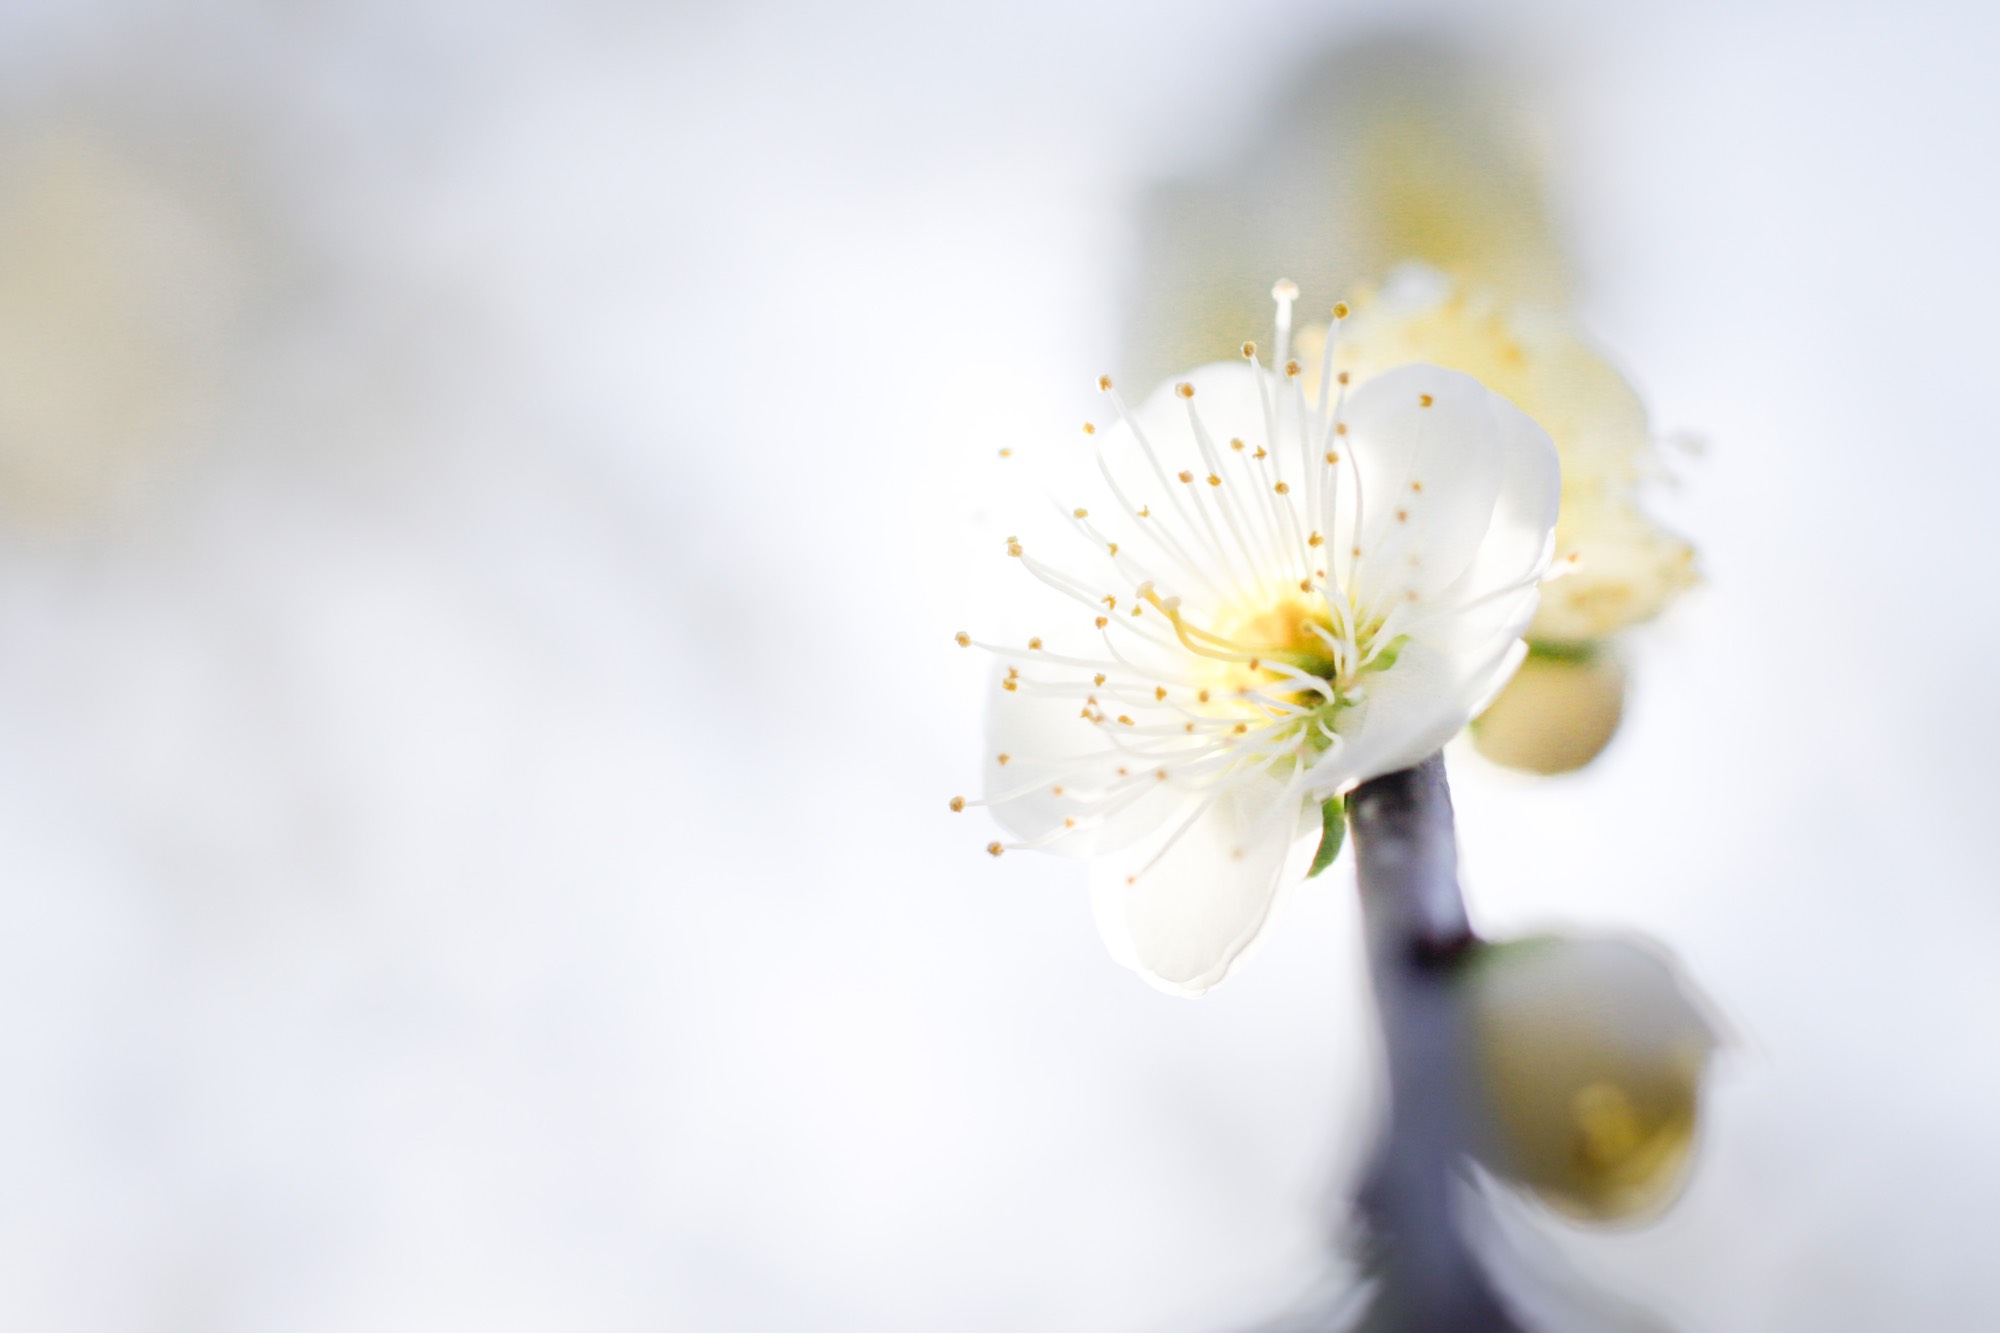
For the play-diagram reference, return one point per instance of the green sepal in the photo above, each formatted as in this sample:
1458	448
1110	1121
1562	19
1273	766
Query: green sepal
1332	833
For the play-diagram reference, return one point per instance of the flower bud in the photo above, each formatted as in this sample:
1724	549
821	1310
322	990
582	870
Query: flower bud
1590	1054
1557	714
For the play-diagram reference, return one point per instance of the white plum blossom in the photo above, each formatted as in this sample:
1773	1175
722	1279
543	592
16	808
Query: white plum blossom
1267	601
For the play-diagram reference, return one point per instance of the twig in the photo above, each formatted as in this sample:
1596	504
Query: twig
1428	1279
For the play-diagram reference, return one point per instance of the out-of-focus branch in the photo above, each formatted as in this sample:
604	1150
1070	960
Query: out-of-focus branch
1428	1280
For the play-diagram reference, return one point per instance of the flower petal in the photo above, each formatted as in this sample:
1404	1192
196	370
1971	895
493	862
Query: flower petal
1185	916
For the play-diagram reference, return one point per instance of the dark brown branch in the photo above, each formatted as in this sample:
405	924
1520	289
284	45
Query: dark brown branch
1407	865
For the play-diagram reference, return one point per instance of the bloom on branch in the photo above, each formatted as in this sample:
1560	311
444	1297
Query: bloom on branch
1620	566
1269	599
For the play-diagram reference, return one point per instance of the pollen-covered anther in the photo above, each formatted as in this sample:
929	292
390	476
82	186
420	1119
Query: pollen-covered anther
1305	585
1203	696
994	849
1104	384
1090	428
1035	643
957	804
1184	389
1214	480
1056	790
1013	546
1237	445
1249	351
1187	476
1342	378
1010	685
1283	488
1402	516
1079	513
1262	452
1102	621
1424	400
1159	694
1099	679
1332	457
1340	427
1002	759
1340	310
1110	601
1124	720
1291	370
1006	453
1417	486
962	639
1315	540
1112	547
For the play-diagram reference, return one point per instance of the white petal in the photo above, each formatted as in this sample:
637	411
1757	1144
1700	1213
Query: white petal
1049	746
1430	476
1187	918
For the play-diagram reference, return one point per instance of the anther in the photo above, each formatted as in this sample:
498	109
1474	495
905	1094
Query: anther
1342	378
1079	513
1249	351
1203	696
1262	452
1305	585
1424	400
1291	369
994	849
1417	486
1340	427
957	804
1282	488
1159	694
1002	759
1340	310
1090	428
962	639
1237	445
1187	476
1006	453
1214	480
1125	721
1332	457
1284	289
1098	679
1110	601
1035	643
1112	547
1402	516
1104	384
1102	621
1013	546
1184	389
